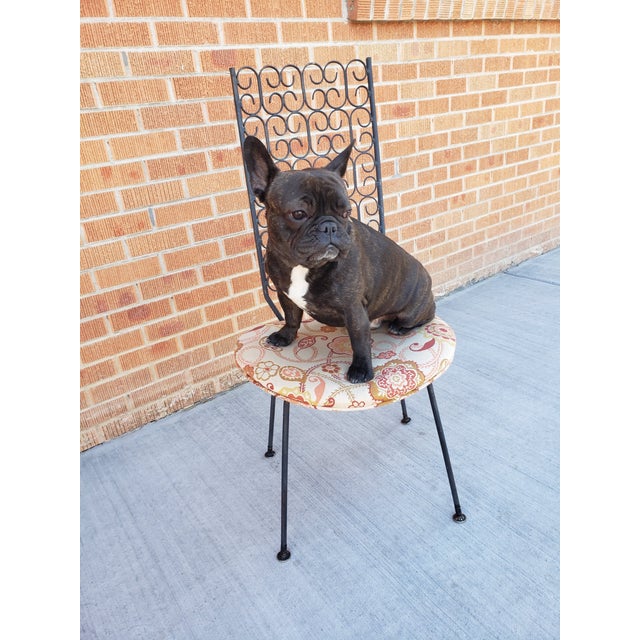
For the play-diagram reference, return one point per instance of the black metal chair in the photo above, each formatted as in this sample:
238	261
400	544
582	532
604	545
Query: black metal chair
306	116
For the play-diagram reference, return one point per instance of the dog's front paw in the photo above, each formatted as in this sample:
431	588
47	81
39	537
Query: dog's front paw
281	338
359	372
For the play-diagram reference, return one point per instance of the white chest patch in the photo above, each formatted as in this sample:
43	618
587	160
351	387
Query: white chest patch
299	286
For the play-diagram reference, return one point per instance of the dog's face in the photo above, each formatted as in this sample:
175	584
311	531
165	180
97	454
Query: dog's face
308	211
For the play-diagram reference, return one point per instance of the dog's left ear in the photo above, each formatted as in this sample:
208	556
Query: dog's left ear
339	163
260	166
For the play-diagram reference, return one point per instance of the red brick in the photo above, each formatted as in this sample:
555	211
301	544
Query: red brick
175	325
109	227
222	269
223	59
250	32
140	314
182	362
109	176
180	165
108	301
209	136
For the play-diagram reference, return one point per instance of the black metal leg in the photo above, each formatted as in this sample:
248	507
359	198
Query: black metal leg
405	416
270	452
458	516
284	553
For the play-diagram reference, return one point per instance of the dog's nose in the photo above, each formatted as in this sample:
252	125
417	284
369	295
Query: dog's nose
328	227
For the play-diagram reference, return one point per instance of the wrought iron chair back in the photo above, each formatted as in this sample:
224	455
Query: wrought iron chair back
306	116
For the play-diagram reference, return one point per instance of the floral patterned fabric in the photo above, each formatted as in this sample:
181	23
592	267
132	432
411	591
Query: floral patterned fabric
312	370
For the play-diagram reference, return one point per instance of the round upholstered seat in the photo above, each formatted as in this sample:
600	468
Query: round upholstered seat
311	371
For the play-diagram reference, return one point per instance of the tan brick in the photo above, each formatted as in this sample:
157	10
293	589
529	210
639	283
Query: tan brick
250	32
111	346
182	362
97	372
160	63
104	123
127	92
114	34
201	87
222	269
93	9
200	254
86	284
93	152
92	329
305	31
122	385
152	194
215	9
209	136
169	284
149	355
179	165
183	212
100	255
207	334
151	243
101	64
186	33
171	116
128	273
147	144
201	296
154	8
87	101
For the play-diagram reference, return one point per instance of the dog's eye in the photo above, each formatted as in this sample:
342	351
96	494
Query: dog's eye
298	214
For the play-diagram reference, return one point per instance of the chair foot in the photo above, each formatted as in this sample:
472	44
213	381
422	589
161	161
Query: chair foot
458	516
283	554
405	416
269	453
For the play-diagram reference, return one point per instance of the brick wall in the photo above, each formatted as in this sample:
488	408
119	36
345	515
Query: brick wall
468	116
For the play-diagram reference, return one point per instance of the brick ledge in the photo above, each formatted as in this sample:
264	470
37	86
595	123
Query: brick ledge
405	10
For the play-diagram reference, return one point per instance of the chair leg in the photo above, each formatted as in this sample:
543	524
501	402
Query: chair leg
458	516
284	553
405	416
272	414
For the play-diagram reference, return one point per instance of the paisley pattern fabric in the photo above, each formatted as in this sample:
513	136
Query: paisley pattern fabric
311	371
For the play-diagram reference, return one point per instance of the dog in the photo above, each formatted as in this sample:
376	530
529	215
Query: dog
323	261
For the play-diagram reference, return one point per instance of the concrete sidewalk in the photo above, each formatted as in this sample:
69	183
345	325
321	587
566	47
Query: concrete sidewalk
180	519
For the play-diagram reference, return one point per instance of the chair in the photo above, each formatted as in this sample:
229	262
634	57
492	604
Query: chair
304	115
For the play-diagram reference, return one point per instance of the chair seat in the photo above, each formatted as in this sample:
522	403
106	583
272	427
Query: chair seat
311	371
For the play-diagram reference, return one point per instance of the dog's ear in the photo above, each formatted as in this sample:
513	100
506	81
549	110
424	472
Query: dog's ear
339	163
260	166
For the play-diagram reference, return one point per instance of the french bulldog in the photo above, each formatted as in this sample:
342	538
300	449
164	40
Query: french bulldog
321	260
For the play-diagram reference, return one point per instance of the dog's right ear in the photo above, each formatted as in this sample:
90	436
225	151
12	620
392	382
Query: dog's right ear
260	166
